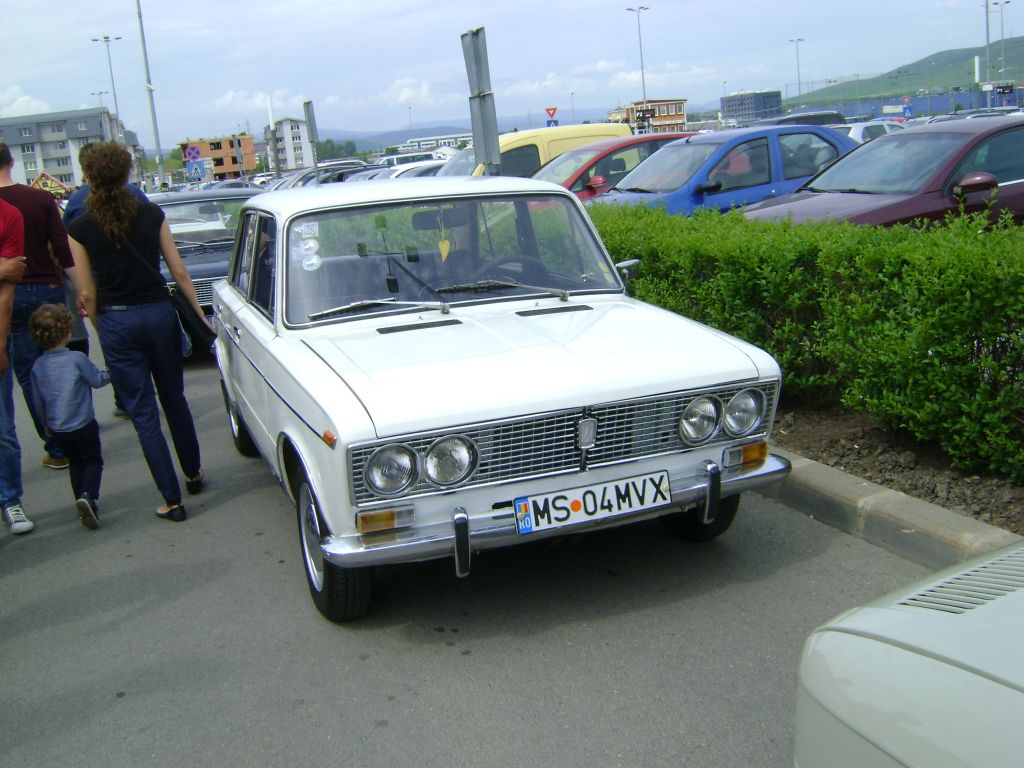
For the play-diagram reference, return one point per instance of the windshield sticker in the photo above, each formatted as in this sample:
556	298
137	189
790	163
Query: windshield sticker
309	250
308	229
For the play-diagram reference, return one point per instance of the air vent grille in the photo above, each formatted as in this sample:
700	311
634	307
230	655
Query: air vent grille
974	588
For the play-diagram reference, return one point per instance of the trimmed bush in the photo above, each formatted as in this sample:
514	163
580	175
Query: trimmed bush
921	326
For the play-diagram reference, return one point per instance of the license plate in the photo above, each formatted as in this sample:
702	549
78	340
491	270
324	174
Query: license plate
592	502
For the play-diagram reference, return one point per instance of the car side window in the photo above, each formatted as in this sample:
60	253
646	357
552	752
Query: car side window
264	265
242	260
616	165
873	131
746	165
804	154
522	161
999	155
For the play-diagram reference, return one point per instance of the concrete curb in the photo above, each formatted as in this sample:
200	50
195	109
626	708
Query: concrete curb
917	530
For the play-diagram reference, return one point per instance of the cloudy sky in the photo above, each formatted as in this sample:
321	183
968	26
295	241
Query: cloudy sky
389	64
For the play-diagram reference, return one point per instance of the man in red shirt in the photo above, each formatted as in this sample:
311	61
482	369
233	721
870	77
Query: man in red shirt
12	267
42	283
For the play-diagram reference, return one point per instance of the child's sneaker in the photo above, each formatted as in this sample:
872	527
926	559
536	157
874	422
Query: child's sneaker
87	511
16	520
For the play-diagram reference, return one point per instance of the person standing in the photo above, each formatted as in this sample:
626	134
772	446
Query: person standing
41	283
117	244
62	384
12	267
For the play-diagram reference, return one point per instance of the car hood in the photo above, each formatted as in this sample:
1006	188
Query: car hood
970	617
619	197
507	359
810	206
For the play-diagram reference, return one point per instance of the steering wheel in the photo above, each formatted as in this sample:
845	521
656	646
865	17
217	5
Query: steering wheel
532	271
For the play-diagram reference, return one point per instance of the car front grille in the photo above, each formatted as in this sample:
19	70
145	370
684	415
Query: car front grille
546	444
204	289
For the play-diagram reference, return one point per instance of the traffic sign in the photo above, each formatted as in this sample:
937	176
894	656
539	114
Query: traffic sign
192	152
552	123
195	170
551	112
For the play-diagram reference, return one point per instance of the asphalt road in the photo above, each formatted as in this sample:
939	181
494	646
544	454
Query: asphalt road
150	643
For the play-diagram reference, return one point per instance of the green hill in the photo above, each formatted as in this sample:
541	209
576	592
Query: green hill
939	73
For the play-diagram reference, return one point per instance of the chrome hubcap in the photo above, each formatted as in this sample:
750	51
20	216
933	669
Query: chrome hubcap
309	523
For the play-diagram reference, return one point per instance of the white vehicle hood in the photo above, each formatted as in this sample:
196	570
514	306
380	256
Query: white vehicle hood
412	372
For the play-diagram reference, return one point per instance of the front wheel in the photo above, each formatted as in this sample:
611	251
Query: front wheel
340	594
689	524
240	436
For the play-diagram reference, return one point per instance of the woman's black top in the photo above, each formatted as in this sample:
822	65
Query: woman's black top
121	276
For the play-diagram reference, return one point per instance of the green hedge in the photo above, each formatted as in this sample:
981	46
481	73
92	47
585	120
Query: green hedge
923	327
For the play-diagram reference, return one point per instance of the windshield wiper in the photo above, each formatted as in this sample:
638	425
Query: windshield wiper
486	285
363	303
202	243
633	189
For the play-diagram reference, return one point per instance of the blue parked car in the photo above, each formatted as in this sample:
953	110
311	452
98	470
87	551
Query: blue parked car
729	169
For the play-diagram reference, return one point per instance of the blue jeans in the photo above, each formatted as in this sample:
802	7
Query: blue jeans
10	451
142	347
28	296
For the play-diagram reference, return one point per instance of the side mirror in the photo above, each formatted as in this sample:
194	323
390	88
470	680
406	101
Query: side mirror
706	187
596	182
975	181
623	268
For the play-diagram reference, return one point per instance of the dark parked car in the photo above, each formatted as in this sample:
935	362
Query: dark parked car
203	225
595	168
920	173
729	169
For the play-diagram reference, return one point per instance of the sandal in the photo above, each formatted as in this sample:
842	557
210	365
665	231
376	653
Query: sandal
195	484
175	513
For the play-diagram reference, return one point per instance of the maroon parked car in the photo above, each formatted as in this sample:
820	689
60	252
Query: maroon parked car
595	168
919	173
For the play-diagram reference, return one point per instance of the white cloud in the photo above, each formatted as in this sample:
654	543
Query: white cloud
14	102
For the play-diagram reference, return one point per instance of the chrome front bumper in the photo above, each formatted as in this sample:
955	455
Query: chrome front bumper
463	534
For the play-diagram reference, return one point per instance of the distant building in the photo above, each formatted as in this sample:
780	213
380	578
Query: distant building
230	156
432	142
49	143
652	116
293	149
748	106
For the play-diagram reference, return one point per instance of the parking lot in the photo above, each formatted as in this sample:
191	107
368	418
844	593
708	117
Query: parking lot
151	644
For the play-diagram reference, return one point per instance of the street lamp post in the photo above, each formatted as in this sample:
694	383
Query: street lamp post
640	40
799	86
1002	36
117	112
152	103
101	94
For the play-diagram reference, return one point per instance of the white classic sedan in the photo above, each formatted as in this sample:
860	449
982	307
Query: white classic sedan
436	367
930	676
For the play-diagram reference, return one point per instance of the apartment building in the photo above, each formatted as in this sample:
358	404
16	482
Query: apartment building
652	116
227	157
293	149
747	106
49	143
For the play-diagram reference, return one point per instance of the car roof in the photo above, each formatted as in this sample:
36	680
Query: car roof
624	141
978	125
196	195
288	202
728	134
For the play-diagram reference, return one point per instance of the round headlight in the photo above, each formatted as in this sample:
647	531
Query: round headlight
700	420
450	460
743	412
390	470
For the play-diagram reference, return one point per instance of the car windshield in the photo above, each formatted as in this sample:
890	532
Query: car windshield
564	166
669	168
203	222
350	262
462	164
896	164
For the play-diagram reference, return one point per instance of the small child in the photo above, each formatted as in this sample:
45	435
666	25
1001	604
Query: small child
61	381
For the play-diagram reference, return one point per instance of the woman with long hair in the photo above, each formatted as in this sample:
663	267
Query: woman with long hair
117	246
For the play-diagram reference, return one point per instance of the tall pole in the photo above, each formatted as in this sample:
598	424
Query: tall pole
152	104
988	60
640	40
799	86
100	94
1002	35
117	112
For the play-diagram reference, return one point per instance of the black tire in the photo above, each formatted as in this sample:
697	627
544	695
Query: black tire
243	441
340	594
689	525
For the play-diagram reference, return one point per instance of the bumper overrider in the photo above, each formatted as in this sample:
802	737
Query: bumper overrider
462	534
